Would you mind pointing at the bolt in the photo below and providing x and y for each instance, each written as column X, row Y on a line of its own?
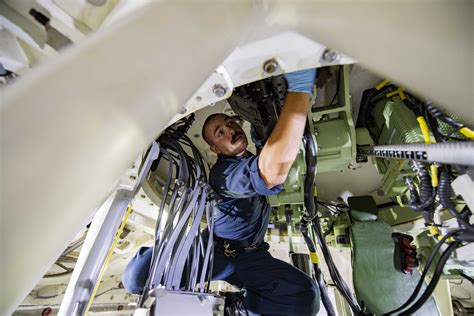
column 270, row 66
column 329, row 55
column 183, row 110
column 219, row 90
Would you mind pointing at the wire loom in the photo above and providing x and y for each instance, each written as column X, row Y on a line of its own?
column 182, row 259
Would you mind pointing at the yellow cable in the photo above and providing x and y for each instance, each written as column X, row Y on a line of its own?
column 437, row 234
column 402, row 94
column 107, row 259
column 434, row 175
column 466, row 131
column 424, row 129
column 391, row 94
column 381, row 85
column 426, row 136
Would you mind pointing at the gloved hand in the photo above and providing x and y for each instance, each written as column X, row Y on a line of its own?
column 301, row 80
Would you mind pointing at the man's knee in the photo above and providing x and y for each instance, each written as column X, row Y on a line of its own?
column 314, row 297
column 135, row 275
column 309, row 297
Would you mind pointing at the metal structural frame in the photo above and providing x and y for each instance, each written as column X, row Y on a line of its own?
column 111, row 119
column 99, row 240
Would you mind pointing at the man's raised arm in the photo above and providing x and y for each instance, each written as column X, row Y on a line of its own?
column 282, row 146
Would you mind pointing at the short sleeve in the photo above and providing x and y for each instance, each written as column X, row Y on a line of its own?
column 240, row 178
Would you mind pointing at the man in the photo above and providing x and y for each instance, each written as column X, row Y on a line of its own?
column 241, row 257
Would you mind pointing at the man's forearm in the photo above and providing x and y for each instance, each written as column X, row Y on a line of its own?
column 282, row 146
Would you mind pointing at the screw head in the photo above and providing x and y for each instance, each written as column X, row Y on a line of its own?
column 219, row 90
column 329, row 55
column 270, row 66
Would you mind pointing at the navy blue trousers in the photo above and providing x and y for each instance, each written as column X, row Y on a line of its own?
column 272, row 286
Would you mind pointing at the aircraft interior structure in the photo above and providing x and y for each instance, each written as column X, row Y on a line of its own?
column 102, row 104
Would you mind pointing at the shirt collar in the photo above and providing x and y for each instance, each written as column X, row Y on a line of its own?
column 222, row 156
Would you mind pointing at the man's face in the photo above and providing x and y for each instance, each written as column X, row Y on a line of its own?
column 226, row 136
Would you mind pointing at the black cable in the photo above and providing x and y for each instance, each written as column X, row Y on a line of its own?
column 444, row 193
column 310, row 158
column 310, row 205
column 428, row 264
column 436, row 113
column 466, row 277
column 434, row 281
column 339, row 73
column 422, row 201
column 334, row 272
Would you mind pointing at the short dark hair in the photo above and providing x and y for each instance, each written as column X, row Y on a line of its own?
column 208, row 119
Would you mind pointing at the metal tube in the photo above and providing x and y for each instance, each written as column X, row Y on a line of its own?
column 455, row 153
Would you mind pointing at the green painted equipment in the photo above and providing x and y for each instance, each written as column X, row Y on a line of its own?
column 392, row 122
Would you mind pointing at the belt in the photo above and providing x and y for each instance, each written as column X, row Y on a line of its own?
column 232, row 248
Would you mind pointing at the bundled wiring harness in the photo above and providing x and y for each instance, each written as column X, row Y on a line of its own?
column 432, row 183
column 436, row 182
column 182, row 257
column 310, row 219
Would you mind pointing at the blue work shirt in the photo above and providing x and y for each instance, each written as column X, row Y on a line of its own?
column 244, row 212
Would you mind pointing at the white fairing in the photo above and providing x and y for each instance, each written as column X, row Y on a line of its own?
column 71, row 127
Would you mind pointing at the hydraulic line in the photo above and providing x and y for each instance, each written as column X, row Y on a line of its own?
column 454, row 153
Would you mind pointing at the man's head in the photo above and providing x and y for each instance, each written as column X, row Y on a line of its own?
column 224, row 135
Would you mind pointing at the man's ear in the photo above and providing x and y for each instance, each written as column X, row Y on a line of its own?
column 214, row 149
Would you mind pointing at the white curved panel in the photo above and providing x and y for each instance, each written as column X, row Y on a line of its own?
column 72, row 126
column 425, row 46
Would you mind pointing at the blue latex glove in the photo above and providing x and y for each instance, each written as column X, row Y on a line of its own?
column 301, row 80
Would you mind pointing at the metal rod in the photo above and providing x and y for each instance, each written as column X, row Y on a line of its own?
column 456, row 153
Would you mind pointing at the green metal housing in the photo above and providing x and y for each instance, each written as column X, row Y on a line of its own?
column 395, row 123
